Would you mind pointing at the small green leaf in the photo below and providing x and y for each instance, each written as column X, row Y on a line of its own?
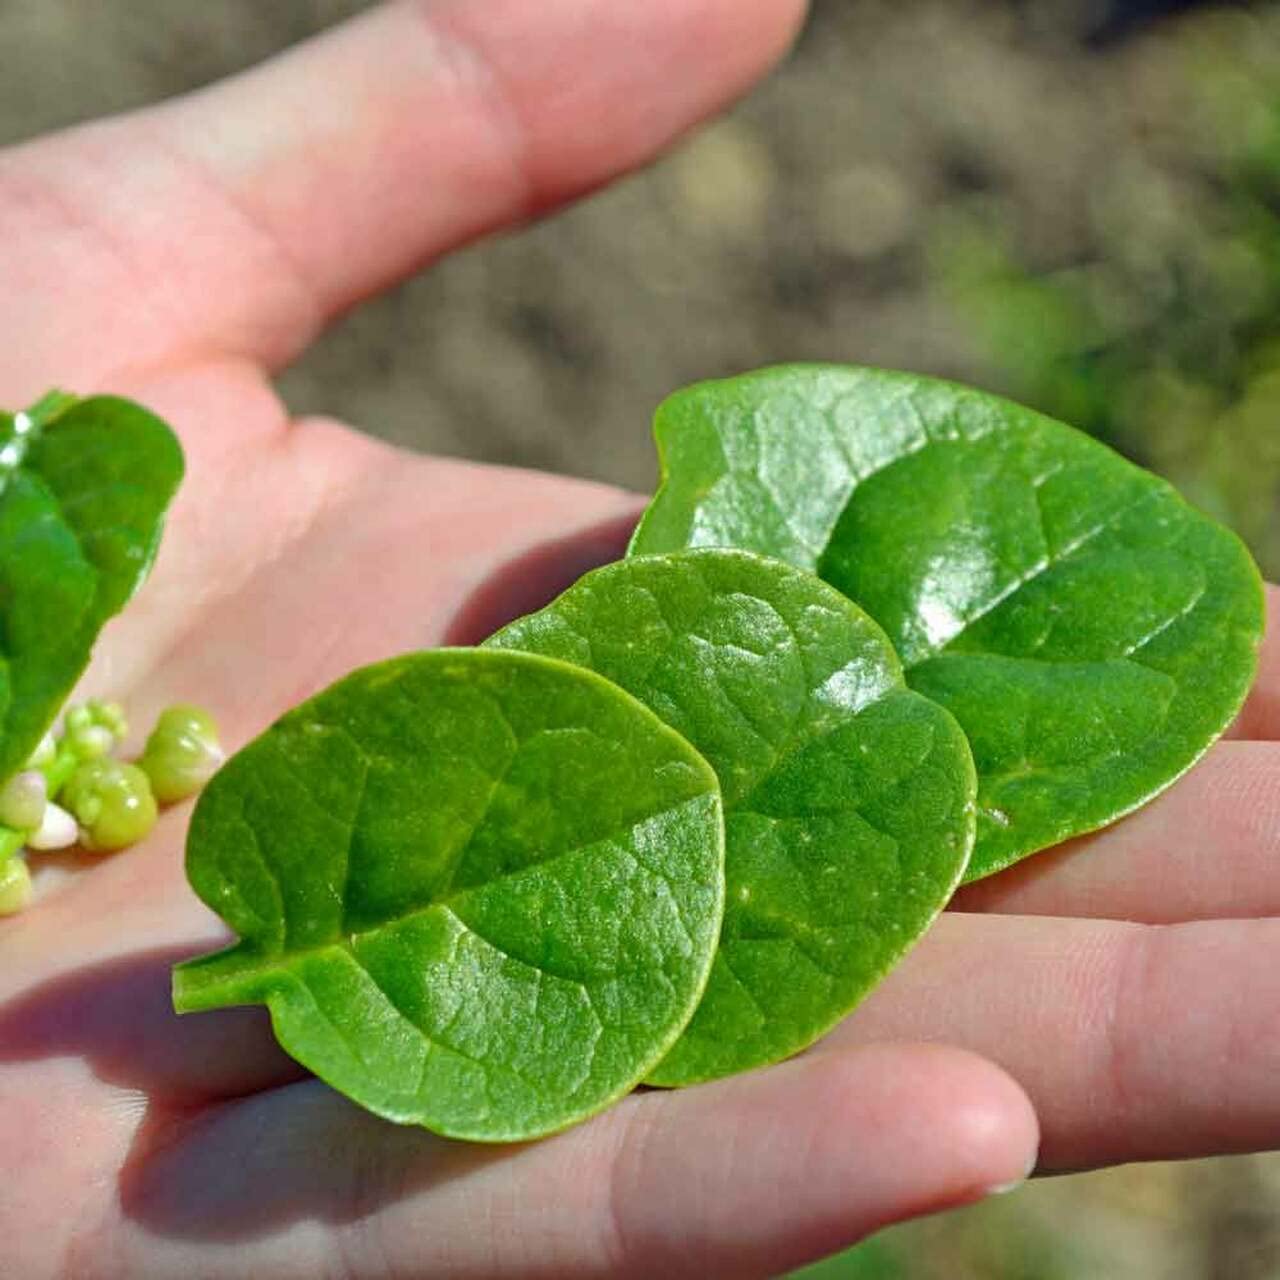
column 478, row 891
column 1092, row 633
column 849, row 800
column 84, row 486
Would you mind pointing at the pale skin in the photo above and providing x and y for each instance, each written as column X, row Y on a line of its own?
column 1117, row 999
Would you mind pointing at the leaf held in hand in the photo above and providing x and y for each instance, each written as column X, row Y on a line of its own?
column 478, row 891
column 1092, row 633
column 849, row 800
column 84, row 486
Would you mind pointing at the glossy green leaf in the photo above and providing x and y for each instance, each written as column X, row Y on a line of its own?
column 849, row 800
column 1091, row 631
column 478, row 891
column 84, row 486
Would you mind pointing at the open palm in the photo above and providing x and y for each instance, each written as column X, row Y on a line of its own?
column 1129, row 984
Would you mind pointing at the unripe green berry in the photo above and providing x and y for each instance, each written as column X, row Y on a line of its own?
column 182, row 753
column 110, row 716
column 112, row 802
column 91, row 741
column 77, row 716
column 94, row 728
column 23, row 799
column 15, row 886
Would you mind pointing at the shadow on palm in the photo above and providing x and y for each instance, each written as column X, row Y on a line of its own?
column 224, row 1111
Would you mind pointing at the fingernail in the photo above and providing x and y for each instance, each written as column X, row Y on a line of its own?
column 1003, row 1188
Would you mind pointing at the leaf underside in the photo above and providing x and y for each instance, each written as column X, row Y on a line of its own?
column 849, row 800
column 478, row 891
column 1092, row 632
column 82, row 504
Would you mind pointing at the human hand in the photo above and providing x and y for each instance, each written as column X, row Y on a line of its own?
column 1127, row 979
column 178, row 256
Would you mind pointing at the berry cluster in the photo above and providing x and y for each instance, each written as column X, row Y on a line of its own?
column 75, row 791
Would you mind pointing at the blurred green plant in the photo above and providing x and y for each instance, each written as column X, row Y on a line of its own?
column 995, row 1240
column 1161, row 335
column 1156, row 327
column 874, row 1259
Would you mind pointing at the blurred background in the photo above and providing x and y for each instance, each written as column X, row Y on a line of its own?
column 1076, row 202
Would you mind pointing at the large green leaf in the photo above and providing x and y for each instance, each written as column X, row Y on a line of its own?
column 84, row 486
column 1091, row 631
column 478, row 891
column 849, row 800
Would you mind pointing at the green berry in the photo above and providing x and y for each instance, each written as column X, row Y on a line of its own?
column 110, row 716
column 15, row 886
column 187, row 718
column 23, row 799
column 182, row 753
column 77, row 716
column 91, row 742
column 112, row 802
column 94, row 728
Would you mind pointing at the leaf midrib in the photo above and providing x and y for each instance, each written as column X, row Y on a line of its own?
column 431, row 1041
column 1154, row 490
column 258, row 962
column 794, row 738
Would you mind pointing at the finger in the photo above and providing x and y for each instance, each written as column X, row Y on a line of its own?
column 1133, row 1042
column 241, row 217
column 1206, row 849
column 1260, row 718
column 117, row 1018
column 343, row 591
column 749, row 1176
column 366, row 552
column 87, row 974
column 87, row 971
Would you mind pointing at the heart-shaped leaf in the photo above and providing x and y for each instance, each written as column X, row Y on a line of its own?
column 84, row 486
column 478, row 891
column 849, row 800
column 1091, row 631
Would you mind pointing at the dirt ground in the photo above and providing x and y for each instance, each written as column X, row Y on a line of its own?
column 800, row 226
column 795, row 228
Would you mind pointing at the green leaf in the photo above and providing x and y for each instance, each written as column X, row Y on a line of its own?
column 849, row 800
column 1092, row 633
column 478, row 891
column 84, row 486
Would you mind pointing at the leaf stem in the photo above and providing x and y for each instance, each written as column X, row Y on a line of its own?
column 61, row 767
column 18, row 430
column 51, row 405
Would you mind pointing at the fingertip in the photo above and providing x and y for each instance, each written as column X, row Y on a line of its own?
column 978, row 1119
column 765, row 30
column 787, row 21
column 951, row 1126
column 573, row 102
column 768, row 1171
